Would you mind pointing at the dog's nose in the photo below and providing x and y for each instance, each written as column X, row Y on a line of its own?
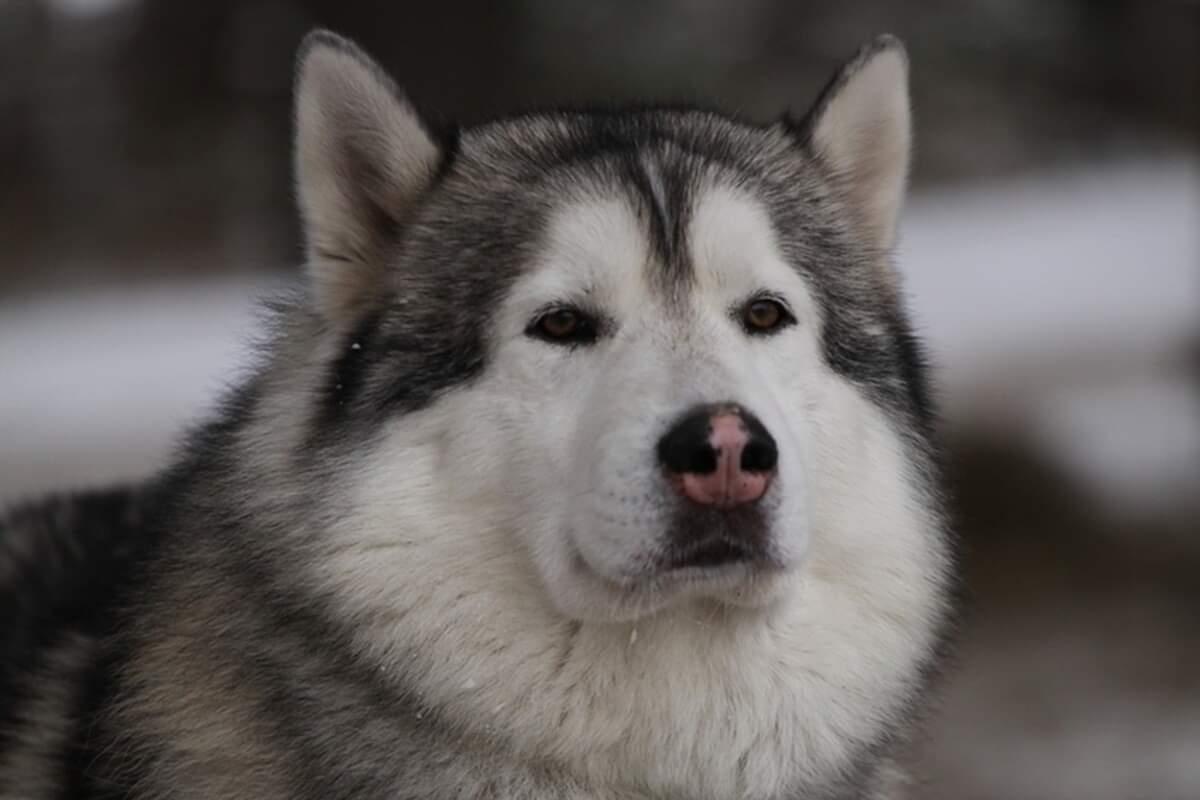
column 719, row 455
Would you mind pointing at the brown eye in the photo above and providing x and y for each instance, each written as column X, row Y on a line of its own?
column 765, row 316
column 559, row 324
column 564, row 326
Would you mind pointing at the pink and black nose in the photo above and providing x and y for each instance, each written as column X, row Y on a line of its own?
column 719, row 456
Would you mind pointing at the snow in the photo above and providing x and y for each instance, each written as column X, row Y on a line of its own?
column 1063, row 307
column 97, row 385
column 1063, row 265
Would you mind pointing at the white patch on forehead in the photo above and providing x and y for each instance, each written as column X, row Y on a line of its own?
column 735, row 249
column 595, row 246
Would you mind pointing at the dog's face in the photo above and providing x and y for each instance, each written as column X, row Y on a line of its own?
column 622, row 340
column 647, row 406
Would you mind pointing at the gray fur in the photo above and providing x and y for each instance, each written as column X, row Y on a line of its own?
column 211, row 664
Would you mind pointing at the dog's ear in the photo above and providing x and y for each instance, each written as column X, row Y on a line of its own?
column 363, row 159
column 860, row 129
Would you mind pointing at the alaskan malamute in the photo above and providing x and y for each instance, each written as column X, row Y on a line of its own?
column 594, row 461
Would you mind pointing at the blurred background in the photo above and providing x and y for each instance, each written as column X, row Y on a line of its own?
column 1051, row 252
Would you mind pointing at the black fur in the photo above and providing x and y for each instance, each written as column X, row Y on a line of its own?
column 71, row 556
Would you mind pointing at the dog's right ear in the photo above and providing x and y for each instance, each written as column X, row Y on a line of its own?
column 363, row 159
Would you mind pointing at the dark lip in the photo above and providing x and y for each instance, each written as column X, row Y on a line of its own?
column 715, row 553
column 710, row 540
column 677, row 569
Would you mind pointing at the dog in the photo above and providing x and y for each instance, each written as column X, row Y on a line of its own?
column 594, row 459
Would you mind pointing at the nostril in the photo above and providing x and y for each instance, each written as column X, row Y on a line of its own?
column 686, row 447
column 681, row 456
column 759, row 455
column 701, row 460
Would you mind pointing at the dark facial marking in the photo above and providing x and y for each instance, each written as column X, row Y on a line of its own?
column 660, row 179
column 348, row 370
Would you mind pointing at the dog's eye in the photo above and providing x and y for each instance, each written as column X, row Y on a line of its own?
column 764, row 315
column 564, row 326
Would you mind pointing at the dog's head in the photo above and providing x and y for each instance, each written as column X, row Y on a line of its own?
column 658, row 349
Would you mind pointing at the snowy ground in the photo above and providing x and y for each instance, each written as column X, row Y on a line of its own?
column 97, row 385
column 1064, row 307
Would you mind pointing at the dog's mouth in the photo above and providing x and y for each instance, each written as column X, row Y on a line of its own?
column 714, row 558
column 724, row 554
column 743, row 557
column 734, row 565
column 712, row 553
column 709, row 540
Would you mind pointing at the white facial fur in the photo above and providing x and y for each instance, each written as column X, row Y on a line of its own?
column 599, row 506
column 456, row 557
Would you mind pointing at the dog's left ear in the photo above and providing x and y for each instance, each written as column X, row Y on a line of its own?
column 860, row 129
column 364, row 160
